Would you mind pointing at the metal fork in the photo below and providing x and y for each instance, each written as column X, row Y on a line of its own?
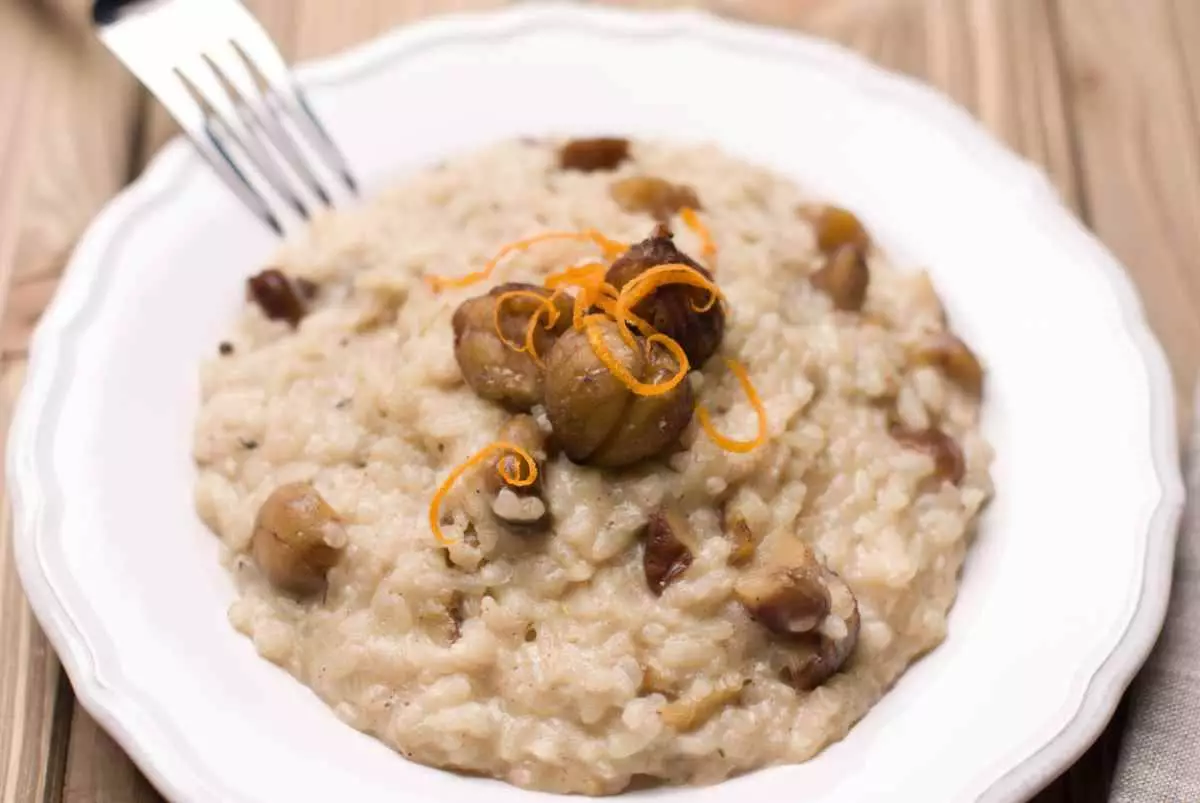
column 217, row 72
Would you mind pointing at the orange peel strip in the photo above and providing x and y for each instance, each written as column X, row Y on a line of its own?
column 501, row 465
column 500, row 299
column 650, row 280
column 596, row 340
column 708, row 248
column 732, row 444
column 609, row 307
column 439, row 283
column 579, row 276
column 531, row 328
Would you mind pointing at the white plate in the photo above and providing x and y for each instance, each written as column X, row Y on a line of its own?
column 1063, row 592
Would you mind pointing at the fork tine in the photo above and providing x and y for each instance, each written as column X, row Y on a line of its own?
column 181, row 106
column 322, row 141
column 286, row 100
column 216, row 71
column 223, row 118
column 282, row 93
column 228, row 63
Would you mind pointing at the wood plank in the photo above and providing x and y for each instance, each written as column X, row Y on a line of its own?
column 66, row 112
column 324, row 28
column 99, row 771
column 1128, row 69
column 32, row 687
column 77, row 157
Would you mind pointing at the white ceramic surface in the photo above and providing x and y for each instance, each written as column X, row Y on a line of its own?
column 1063, row 592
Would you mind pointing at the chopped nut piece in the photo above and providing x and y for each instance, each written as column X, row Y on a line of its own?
column 588, row 155
column 666, row 556
column 948, row 459
column 691, row 711
column 790, row 598
column 277, row 296
column 844, row 278
column 654, row 196
column 793, row 594
column 954, row 358
column 737, row 529
column 653, row 682
column 836, row 227
column 519, row 505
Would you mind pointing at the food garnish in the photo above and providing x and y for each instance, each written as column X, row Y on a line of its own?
column 612, row 380
column 724, row 441
column 511, row 475
column 609, row 247
column 708, row 248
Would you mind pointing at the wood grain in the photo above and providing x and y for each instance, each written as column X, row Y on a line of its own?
column 98, row 771
column 1133, row 85
column 66, row 114
column 32, row 741
column 1104, row 94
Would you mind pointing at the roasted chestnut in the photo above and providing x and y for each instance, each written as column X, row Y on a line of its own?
column 597, row 419
column 297, row 538
column 674, row 309
column 493, row 369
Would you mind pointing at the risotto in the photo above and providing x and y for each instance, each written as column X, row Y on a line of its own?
column 582, row 464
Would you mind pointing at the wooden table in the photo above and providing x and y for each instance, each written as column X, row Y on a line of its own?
column 1104, row 94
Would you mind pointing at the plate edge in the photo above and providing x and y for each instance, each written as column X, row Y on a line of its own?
column 1105, row 687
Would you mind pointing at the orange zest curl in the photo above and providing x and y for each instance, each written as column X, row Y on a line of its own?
column 595, row 338
column 609, row 247
column 647, row 282
column 731, row 444
column 502, row 465
column 531, row 328
column 497, row 309
column 708, row 248
column 609, row 307
column 545, row 304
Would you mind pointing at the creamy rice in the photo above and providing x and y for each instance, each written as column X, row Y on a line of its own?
column 542, row 683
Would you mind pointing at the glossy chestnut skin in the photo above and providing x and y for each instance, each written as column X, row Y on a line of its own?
column 795, row 596
column 666, row 555
column 297, row 538
column 672, row 309
column 493, row 369
column 596, row 418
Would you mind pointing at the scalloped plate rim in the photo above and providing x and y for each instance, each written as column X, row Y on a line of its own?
column 172, row 772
